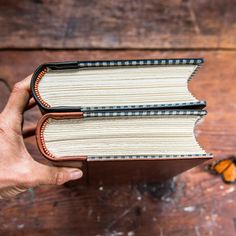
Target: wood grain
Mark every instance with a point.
(123, 24)
(194, 203)
(188, 205)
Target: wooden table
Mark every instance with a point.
(193, 203)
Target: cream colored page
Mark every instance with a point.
(122, 136)
(118, 86)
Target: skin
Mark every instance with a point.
(18, 170)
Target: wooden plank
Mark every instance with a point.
(195, 203)
(118, 24)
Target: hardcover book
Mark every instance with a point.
(119, 120)
(111, 85)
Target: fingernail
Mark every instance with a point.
(75, 174)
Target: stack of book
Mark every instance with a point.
(127, 119)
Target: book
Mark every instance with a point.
(119, 120)
(111, 85)
(120, 134)
(117, 147)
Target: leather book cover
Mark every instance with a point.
(121, 169)
(80, 65)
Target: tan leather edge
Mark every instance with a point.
(41, 146)
(152, 159)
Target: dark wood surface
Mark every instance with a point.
(193, 203)
(118, 24)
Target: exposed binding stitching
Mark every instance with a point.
(147, 156)
(189, 61)
(36, 87)
(143, 113)
(42, 129)
(125, 107)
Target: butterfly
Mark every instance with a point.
(226, 168)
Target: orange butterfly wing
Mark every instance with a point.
(221, 166)
(229, 175)
(227, 169)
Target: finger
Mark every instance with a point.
(11, 192)
(55, 175)
(29, 131)
(31, 104)
(19, 97)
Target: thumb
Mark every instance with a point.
(56, 175)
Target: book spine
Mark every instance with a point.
(42, 123)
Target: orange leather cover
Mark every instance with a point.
(117, 171)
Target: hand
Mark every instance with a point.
(18, 170)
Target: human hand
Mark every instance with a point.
(18, 170)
